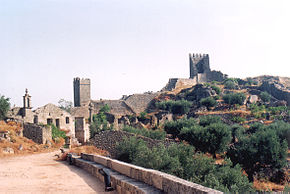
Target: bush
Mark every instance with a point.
(213, 138)
(236, 98)
(262, 148)
(176, 107)
(4, 107)
(99, 122)
(174, 127)
(178, 160)
(153, 134)
(230, 84)
(208, 102)
(209, 119)
(265, 96)
(238, 119)
(216, 89)
(56, 133)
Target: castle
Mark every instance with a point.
(78, 120)
(199, 72)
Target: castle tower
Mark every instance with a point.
(82, 91)
(198, 64)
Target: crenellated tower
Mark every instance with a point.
(82, 91)
(198, 64)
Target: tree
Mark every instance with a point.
(174, 127)
(99, 122)
(236, 98)
(265, 96)
(4, 106)
(65, 105)
(208, 102)
(176, 107)
(261, 149)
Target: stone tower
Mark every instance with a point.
(27, 109)
(82, 91)
(198, 64)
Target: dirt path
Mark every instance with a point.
(40, 173)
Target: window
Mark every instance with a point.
(57, 123)
(49, 121)
(67, 120)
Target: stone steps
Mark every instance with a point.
(121, 183)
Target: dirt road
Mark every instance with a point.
(40, 173)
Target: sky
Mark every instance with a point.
(134, 46)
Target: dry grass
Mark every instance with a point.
(233, 112)
(84, 149)
(28, 146)
(267, 186)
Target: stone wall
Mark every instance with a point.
(276, 90)
(128, 178)
(107, 140)
(39, 134)
(174, 83)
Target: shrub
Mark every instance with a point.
(229, 84)
(265, 96)
(99, 122)
(209, 119)
(262, 148)
(179, 161)
(216, 89)
(56, 133)
(176, 107)
(238, 119)
(174, 127)
(4, 107)
(213, 138)
(153, 134)
(236, 98)
(208, 102)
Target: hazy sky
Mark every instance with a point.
(133, 46)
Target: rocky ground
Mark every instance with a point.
(41, 173)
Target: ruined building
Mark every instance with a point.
(199, 72)
(82, 91)
(47, 114)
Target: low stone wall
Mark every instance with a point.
(107, 140)
(39, 134)
(162, 182)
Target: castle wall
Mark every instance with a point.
(39, 134)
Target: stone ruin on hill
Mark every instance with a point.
(200, 72)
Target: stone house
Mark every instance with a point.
(47, 114)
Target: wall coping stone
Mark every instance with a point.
(160, 180)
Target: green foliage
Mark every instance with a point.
(176, 107)
(230, 84)
(238, 119)
(216, 89)
(56, 133)
(250, 81)
(208, 102)
(153, 134)
(256, 110)
(142, 116)
(178, 160)
(212, 138)
(99, 122)
(265, 96)
(209, 119)
(237, 132)
(263, 147)
(65, 105)
(174, 127)
(276, 110)
(4, 106)
(236, 98)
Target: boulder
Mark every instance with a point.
(8, 150)
(253, 99)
